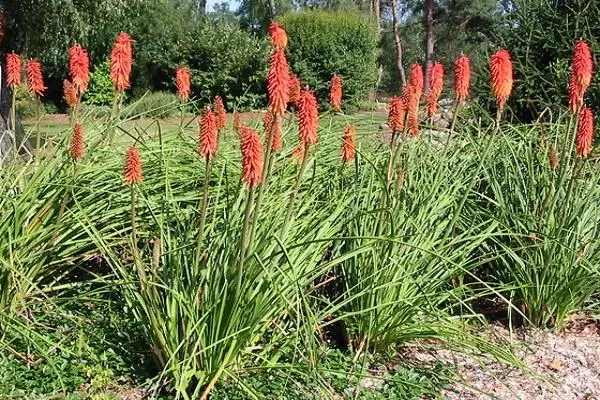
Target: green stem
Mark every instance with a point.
(114, 114)
(13, 122)
(294, 194)
(244, 244)
(38, 133)
(203, 213)
(134, 243)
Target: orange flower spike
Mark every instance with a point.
(35, 79)
(133, 167)
(581, 74)
(416, 79)
(220, 112)
(585, 133)
(70, 93)
(121, 61)
(397, 112)
(183, 82)
(252, 157)
(413, 111)
(462, 77)
(278, 36)
(349, 144)
(335, 93)
(436, 85)
(295, 87)
(278, 82)
(77, 143)
(308, 118)
(79, 68)
(13, 70)
(267, 122)
(237, 122)
(501, 72)
(208, 134)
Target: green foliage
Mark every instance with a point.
(325, 43)
(224, 60)
(541, 36)
(155, 105)
(101, 91)
(26, 105)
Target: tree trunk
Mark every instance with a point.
(429, 41)
(201, 6)
(272, 9)
(398, 43)
(377, 14)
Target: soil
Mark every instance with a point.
(563, 366)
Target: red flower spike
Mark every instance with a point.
(349, 144)
(397, 111)
(462, 77)
(237, 122)
(268, 121)
(133, 167)
(413, 111)
(220, 112)
(79, 68)
(208, 134)
(436, 85)
(582, 69)
(77, 143)
(278, 82)
(121, 61)
(13, 70)
(183, 82)
(335, 93)
(35, 79)
(501, 72)
(252, 157)
(295, 88)
(308, 118)
(585, 133)
(70, 93)
(416, 79)
(278, 36)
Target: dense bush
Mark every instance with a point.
(323, 43)
(224, 60)
(101, 91)
(155, 105)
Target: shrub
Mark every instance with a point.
(323, 43)
(224, 60)
(154, 105)
(101, 91)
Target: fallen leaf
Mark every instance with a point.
(555, 364)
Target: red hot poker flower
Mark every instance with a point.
(436, 85)
(183, 83)
(133, 167)
(349, 144)
(79, 68)
(413, 110)
(581, 74)
(35, 79)
(252, 157)
(462, 77)
(501, 72)
(77, 143)
(208, 134)
(278, 82)
(308, 118)
(13, 70)
(70, 93)
(220, 112)
(295, 87)
(416, 79)
(237, 122)
(397, 112)
(268, 122)
(278, 36)
(585, 133)
(335, 93)
(121, 61)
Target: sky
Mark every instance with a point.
(233, 4)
